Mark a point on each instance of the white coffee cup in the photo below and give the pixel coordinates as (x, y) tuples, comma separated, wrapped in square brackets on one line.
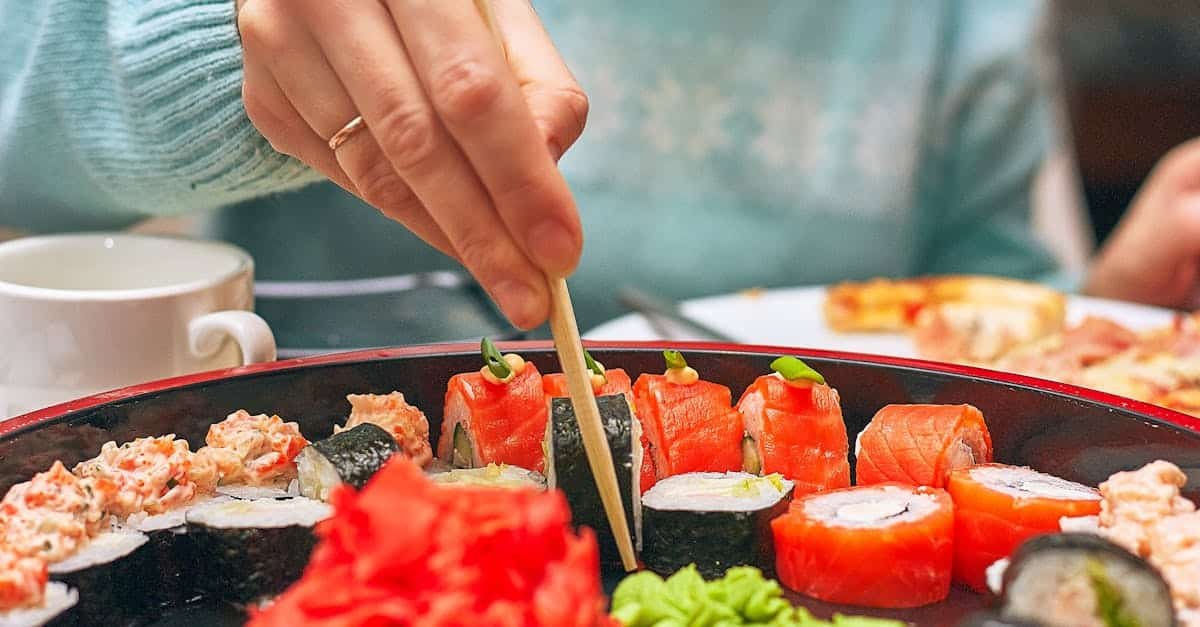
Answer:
[(82, 314)]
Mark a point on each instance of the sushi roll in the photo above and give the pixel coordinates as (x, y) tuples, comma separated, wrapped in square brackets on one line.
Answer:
[(248, 551), (794, 427), (921, 444), (690, 423), (110, 574), (713, 520), (26, 597), (492, 475), (568, 470), (888, 545), (496, 415), (255, 451), (997, 507), (406, 423), (1082, 579), (351, 457)]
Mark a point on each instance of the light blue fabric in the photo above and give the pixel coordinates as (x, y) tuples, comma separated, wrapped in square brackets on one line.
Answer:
[(730, 144)]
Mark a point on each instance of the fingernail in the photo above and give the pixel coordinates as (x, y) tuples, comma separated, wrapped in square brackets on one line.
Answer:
[(519, 302), (553, 248)]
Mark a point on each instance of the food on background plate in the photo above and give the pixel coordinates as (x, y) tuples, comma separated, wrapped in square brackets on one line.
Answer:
[(969, 318), (468, 555), (690, 423), (921, 444), (998, 507), (887, 545), (794, 427), (713, 520), (1084, 580), (495, 415), (392, 413), (741, 597), (568, 469), (348, 456)]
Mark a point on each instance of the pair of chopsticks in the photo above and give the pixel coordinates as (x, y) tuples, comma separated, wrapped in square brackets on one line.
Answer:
[(567, 343)]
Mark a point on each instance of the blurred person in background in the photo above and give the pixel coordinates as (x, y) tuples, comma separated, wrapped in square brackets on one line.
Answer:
[(730, 145)]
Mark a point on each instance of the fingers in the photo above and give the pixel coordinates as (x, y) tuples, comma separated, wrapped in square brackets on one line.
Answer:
[(557, 102), (474, 93), (366, 53)]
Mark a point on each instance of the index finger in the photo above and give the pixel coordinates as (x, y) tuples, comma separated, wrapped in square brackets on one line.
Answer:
[(480, 102)]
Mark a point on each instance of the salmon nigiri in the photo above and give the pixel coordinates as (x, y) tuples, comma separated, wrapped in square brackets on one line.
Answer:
[(690, 424), (496, 415), (794, 427), (921, 444), (887, 545), (998, 507)]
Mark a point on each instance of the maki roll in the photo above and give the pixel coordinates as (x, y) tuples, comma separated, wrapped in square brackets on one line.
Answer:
[(109, 573), (887, 545), (26, 599), (997, 507), (349, 457), (251, 550), (794, 427), (714, 520), (492, 475), (921, 444), (690, 423), (1081, 579), (567, 467), (496, 415)]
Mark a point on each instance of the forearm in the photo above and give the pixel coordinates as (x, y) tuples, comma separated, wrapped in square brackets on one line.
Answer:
[(118, 110)]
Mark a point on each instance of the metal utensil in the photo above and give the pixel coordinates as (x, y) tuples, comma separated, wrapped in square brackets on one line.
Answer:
[(657, 310)]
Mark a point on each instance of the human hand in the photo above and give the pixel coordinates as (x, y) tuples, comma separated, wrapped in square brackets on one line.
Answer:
[(1153, 256), (460, 143)]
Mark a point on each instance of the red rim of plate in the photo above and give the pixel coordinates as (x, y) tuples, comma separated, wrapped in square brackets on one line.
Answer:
[(1155, 412)]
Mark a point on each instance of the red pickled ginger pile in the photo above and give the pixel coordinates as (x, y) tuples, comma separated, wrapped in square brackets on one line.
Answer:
[(405, 551)]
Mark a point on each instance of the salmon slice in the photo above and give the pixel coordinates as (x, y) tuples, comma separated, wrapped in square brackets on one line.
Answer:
[(998, 507), (617, 382), (798, 432), (505, 423), (649, 476), (888, 545), (921, 444), (690, 427)]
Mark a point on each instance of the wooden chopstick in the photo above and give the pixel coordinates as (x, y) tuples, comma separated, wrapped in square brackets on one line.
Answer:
[(567, 343)]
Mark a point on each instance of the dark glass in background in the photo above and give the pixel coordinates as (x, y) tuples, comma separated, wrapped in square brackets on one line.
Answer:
[(1131, 73)]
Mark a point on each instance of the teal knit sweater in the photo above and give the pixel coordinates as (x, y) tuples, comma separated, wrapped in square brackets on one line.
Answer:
[(730, 144)]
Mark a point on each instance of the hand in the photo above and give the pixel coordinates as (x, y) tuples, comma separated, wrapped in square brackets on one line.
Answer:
[(1153, 256), (460, 144)]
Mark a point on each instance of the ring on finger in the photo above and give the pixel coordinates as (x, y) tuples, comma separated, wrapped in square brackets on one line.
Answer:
[(346, 132)]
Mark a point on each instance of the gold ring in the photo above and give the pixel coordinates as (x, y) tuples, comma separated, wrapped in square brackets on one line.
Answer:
[(351, 127)]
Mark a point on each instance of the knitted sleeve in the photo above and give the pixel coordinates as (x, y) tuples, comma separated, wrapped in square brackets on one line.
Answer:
[(115, 110)]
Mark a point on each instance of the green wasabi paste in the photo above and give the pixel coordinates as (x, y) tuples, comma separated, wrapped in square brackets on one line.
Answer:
[(742, 597)]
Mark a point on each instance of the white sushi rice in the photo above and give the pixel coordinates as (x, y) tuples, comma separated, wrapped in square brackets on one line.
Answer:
[(995, 575), (59, 598), (492, 475), (636, 482), (105, 548), (170, 519), (716, 492), (871, 506), (320, 477), (1023, 482), (1079, 524), (261, 513), (252, 492)]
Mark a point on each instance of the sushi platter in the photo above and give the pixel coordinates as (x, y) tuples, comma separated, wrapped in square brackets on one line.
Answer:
[(812, 485)]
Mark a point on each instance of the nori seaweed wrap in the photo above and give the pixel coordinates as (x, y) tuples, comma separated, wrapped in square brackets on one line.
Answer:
[(714, 520), (109, 574), (352, 456), (251, 550), (567, 467), (1067, 574)]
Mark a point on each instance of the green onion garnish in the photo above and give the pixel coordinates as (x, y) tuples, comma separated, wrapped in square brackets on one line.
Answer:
[(675, 360), (593, 366), (494, 360), (793, 369)]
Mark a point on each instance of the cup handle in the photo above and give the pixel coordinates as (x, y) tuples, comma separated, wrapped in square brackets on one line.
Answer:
[(250, 331)]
